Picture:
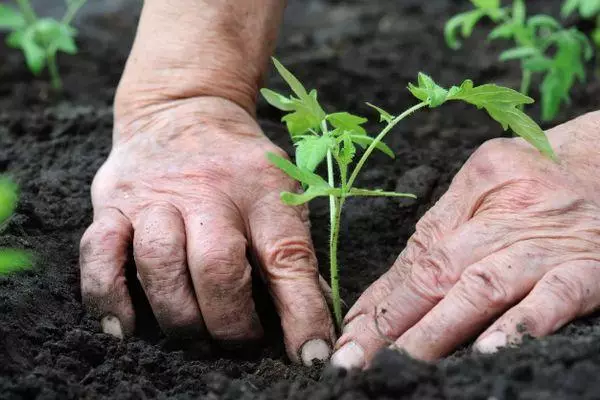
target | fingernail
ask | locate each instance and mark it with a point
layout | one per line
(492, 342)
(315, 349)
(112, 326)
(349, 356)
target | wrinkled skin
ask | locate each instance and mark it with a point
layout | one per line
(512, 248)
(188, 185)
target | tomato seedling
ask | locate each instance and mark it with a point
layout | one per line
(10, 259)
(333, 138)
(542, 45)
(40, 39)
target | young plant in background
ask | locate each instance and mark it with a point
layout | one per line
(332, 138)
(542, 46)
(40, 39)
(588, 9)
(10, 259)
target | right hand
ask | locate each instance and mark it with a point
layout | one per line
(188, 185)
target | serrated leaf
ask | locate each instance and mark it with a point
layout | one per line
(502, 104)
(12, 260)
(301, 175)
(311, 151)
(344, 121)
(347, 150)
(428, 91)
(383, 115)
(518, 53)
(377, 192)
(277, 100)
(11, 18)
(291, 80)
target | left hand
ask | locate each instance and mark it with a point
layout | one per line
(514, 246)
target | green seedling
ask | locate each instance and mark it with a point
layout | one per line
(333, 138)
(588, 9)
(40, 39)
(542, 46)
(11, 260)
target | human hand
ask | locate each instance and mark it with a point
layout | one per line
(514, 246)
(188, 185)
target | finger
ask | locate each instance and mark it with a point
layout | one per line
(221, 274)
(102, 258)
(563, 294)
(430, 277)
(485, 290)
(282, 243)
(159, 251)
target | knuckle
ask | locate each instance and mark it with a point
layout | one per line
(101, 239)
(292, 255)
(221, 262)
(163, 247)
(432, 275)
(483, 289)
(529, 320)
(565, 287)
(427, 232)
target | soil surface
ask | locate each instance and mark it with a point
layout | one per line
(352, 52)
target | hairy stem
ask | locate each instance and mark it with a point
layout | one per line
(27, 10)
(333, 263)
(378, 140)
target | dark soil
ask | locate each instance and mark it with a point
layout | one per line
(352, 51)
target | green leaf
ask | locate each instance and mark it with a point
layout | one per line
(465, 23)
(311, 151)
(367, 192)
(517, 53)
(519, 12)
(503, 105)
(9, 194)
(383, 115)
(291, 80)
(305, 111)
(301, 175)
(543, 21)
(365, 141)
(296, 199)
(486, 4)
(347, 150)
(277, 100)
(347, 122)
(538, 64)
(502, 31)
(65, 43)
(428, 91)
(12, 260)
(15, 39)
(35, 56)
(11, 18)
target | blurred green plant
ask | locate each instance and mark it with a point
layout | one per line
(40, 39)
(11, 260)
(588, 9)
(542, 46)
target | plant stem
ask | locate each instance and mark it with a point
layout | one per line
(27, 10)
(525, 82)
(72, 11)
(53, 69)
(333, 263)
(378, 139)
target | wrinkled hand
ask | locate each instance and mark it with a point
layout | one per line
(187, 184)
(514, 246)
